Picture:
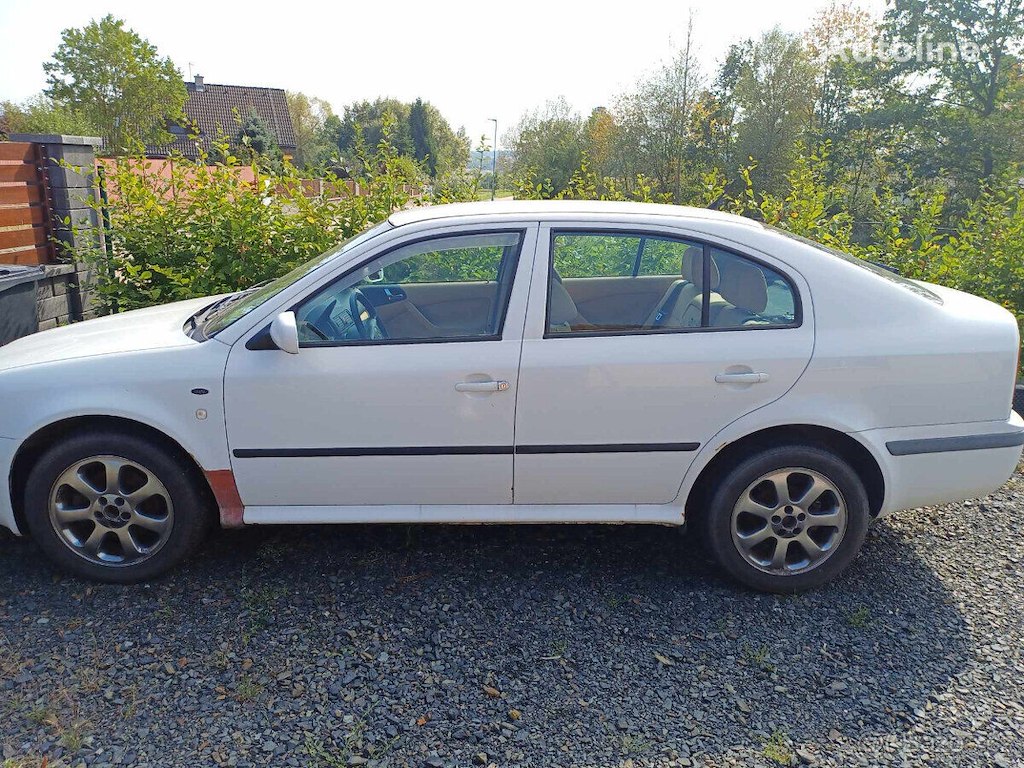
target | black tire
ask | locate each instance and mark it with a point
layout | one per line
(717, 519)
(184, 531)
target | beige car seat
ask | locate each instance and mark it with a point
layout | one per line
(745, 293)
(562, 312)
(680, 306)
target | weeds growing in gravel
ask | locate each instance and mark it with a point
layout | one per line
(71, 739)
(324, 757)
(614, 601)
(62, 718)
(354, 744)
(259, 604)
(634, 745)
(758, 657)
(273, 552)
(27, 762)
(777, 748)
(10, 662)
(248, 689)
(88, 678)
(859, 618)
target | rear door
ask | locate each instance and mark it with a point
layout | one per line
(612, 409)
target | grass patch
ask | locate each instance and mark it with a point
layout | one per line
(758, 657)
(335, 756)
(24, 762)
(859, 618)
(248, 689)
(71, 738)
(635, 745)
(777, 748)
(259, 603)
(323, 756)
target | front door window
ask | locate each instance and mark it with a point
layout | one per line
(447, 288)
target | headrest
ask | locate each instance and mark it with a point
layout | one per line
(693, 268)
(743, 285)
(563, 309)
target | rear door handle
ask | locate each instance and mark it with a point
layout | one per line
(741, 378)
(481, 386)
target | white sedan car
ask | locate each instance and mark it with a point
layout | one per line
(519, 363)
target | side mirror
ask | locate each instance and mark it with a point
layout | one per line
(284, 333)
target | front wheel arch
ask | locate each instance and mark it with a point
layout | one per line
(839, 443)
(41, 440)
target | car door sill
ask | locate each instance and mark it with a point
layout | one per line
(662, 514)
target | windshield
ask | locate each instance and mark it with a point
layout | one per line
(870, 266)
(240, 304)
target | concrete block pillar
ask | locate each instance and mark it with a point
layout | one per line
(70, 170)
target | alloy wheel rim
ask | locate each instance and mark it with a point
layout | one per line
(789, 521)
(111, 511)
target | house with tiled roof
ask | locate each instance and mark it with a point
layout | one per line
(217, 111)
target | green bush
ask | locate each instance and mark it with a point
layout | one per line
(207, 229)
(981, 253)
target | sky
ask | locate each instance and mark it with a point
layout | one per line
(472, 60)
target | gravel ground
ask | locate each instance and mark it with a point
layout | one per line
(539, 646)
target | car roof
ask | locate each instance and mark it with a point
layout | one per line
(551, 208)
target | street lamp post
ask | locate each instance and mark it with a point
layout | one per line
(494, 158)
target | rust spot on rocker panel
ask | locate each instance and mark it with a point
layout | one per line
(222, 481)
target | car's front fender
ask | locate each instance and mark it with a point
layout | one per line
(177, 391)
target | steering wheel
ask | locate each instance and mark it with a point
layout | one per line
(366, 328)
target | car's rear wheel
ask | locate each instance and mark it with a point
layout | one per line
(114, 507)
(787, 519)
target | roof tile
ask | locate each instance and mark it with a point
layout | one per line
(218, 110)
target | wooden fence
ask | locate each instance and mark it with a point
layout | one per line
(25, 220)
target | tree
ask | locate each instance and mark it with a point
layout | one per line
(420, 133)
(257, 143)
(847, 95)
(547, 146)
(311, 118)
(968, 84)
(439, 149)
(43, 115)
(117, 81)
(775, 103)
(834, 35)
(602, 141)
(656, 123)
(423, 146)
(367, 118)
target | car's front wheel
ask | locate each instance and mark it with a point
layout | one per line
(787, 519)
(114, 507)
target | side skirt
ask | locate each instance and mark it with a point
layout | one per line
(657, 514)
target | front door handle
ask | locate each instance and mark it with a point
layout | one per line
(741, 378)
(481, 386)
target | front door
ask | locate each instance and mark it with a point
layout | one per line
(616, 397)
(403, 390)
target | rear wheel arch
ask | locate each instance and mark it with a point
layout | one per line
(839, 443)
(40, 441)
